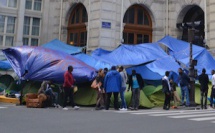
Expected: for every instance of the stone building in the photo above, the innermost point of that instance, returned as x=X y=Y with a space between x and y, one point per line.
x=105 y=23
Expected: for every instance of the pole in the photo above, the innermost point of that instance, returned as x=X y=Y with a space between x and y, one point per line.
x=206 y=26
x=59 y=29
x=191 y=69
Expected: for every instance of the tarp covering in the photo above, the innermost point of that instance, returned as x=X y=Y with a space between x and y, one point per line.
x=156 y=69
x=145 y=72
x=89 y=60
x=131 y=54
x=63 y=47
x=5 y=65
x=18 y=57
x=100 y=52
x=161 y=65
x=46 y=64
x=180 y=50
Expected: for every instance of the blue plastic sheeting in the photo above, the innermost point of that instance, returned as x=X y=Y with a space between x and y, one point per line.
x=46 y=64
x=156 y=69
x=180 y=50
x=145 y=72
x=132 y=54
x=63 y=47
x=17 y=57
x=89 y=60
x=5 y=65
x=162 y=65
x=100 y=52
x=205 y=60
x=176 y=45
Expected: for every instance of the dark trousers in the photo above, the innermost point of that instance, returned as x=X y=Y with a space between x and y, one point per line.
x=68 y=93
x=204 y=95
x=115 y=94
x=135 y=98
x=167 y=100
x=212 y=96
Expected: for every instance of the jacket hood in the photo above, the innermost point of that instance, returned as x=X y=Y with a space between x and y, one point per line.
x=113 y=72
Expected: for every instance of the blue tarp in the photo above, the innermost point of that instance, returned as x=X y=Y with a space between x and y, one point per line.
x=5 y=65
x=156 y=70
x=17 y=58
x=162 y=65
x=127 y=55
x=145 y=72
x=46 y=64
x=100 y=52
x=147 y=59
x=180 y=50
x=63 y=47
x=89 y=60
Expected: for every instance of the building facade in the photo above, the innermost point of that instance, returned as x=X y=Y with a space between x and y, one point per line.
x=105 y=23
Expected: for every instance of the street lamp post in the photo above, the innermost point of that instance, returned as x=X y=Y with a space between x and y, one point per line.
x=193 y=63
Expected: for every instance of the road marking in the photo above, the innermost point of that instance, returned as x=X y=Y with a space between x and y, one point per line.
x=194 y=115
x=202 y=119
x=189 y=116
x=182 y=113
x=3 y=107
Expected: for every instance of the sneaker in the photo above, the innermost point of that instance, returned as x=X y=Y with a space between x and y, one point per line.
x=136 y=109
x=187 y=105
x=125 y=109
x=76 y=107
x=101 y=108
x=97 y=108
x=122 y=109
x=132 y=108
x=65 y=108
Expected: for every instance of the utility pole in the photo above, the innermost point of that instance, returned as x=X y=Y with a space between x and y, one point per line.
x=192 y=73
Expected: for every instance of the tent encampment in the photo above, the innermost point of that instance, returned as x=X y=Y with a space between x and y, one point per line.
x=45 y=64
x=180 y=50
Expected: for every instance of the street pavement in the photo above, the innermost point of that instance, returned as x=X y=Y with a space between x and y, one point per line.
x=19 y=119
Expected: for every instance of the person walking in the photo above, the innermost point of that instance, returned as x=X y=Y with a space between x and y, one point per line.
x=135 y=84
x=68 y=87
x=112 y=84
x=123 y=88
x=184 y=85
x=166 y=90
x=204 y=80
x=212 y=89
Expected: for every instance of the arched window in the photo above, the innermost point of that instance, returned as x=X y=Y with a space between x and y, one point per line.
x=138 y=26
x=77 y=33
x=194 y=18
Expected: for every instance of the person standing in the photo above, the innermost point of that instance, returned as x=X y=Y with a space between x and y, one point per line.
x=112 y=84
x=123 y=88
x=212 y=89
x=135 y=84
x=68 y=87
x=100 y=90
x=174 y=93
x=204 y=80
x=166 y=90
x=184 y=83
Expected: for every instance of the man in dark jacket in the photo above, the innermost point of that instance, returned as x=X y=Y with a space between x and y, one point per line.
x=184 y=84
x=112 y=84
x=135 y=83
x=166 y=90
x=204 y=80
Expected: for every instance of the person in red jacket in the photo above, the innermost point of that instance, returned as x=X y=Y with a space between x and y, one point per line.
x=68 y=87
